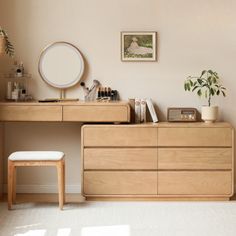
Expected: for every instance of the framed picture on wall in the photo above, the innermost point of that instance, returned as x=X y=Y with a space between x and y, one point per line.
x=139 y=46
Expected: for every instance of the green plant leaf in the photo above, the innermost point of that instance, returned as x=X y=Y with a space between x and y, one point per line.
x=199 y=92
x=199 y=81
x=209 y=80
x=189 y=87
x=185 y=87
x=212 y=91
x=214 y=79
x=203 y=72
x=194 y=88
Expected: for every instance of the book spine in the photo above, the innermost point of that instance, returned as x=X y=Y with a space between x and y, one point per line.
x=137 y=110
x=143 y=118
x=132 y=109
x=152 y=110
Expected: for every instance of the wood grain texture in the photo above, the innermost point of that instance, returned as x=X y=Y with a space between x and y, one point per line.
x=201 y=137
x=97 y=113
x=173 y=125
x=120 y=158
x=199 y=155
x=66 y=111
x=194 y=158
x=195 y=182
x=12 y=165
x=155 y=198
x=61 y=183
x=233 y=159
x=119 y=136
x=1 y=157
x=30 y=113
x=120 y=182
x=63 y=103
x=10 y=182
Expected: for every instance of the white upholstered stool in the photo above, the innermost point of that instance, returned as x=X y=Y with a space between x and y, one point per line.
x=36 y=158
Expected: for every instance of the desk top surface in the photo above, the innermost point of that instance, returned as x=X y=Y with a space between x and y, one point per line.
x=65 y=103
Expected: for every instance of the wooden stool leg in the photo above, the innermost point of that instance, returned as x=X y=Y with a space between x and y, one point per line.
x=11 y=169
x=60 y=183
x=14 y=186
x=64 y=182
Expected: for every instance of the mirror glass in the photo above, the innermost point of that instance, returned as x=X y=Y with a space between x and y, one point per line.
x=61 y=65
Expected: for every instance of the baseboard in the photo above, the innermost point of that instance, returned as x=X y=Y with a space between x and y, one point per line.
x=49 y=189
x=43 y=188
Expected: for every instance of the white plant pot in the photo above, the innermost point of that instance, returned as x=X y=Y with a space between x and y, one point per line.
x=209 y=114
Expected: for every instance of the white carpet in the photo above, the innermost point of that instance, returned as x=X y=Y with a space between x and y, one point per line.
x=120 y=219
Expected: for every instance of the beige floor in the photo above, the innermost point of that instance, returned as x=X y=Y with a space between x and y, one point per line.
x=81 y=218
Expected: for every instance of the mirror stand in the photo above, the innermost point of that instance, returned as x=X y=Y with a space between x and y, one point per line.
x=62 y=94
x=63 y=97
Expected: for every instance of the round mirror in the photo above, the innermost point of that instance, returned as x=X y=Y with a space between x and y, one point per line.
x=61 y=65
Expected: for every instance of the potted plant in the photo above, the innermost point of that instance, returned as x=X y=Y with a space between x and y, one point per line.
x=207 y=85
x=5 y=44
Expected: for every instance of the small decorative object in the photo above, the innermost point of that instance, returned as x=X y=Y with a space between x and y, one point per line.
x=207 y=85
x=5 y=44
x=107 y=94
x=19 y=70
x=138 y=46
x=181 y=114
x=90 y=94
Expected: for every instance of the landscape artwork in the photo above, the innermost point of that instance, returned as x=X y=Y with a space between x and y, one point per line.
x=138 y=46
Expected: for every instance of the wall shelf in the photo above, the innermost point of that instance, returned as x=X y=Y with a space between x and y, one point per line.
x=12 y=76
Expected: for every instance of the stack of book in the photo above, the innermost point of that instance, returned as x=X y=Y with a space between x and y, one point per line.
x=139 y=109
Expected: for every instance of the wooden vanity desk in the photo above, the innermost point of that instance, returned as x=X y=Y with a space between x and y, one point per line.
x=79 y=111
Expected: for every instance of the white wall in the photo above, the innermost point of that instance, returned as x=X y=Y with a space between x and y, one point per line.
x=192 y=36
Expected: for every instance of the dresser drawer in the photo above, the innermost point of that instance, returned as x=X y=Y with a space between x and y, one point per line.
x=119 y=136
x=194 y=183
x=30 y=113
x=195 y=137
x=120 y=182
x=97 y=113
x=120 y=158
x=194 y=158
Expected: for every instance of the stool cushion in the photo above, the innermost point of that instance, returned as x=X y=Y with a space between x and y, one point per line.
x=36 y=156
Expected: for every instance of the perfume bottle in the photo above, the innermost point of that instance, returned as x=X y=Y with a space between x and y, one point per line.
x=20 y=70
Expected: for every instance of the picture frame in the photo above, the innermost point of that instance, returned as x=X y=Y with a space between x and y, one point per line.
x=138 y=46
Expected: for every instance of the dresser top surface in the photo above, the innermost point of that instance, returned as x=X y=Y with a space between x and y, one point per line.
x=171 y=125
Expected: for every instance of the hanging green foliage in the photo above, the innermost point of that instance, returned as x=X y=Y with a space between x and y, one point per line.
x=9 y=49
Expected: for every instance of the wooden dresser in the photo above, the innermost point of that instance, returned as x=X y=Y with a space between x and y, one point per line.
x=156 y=161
